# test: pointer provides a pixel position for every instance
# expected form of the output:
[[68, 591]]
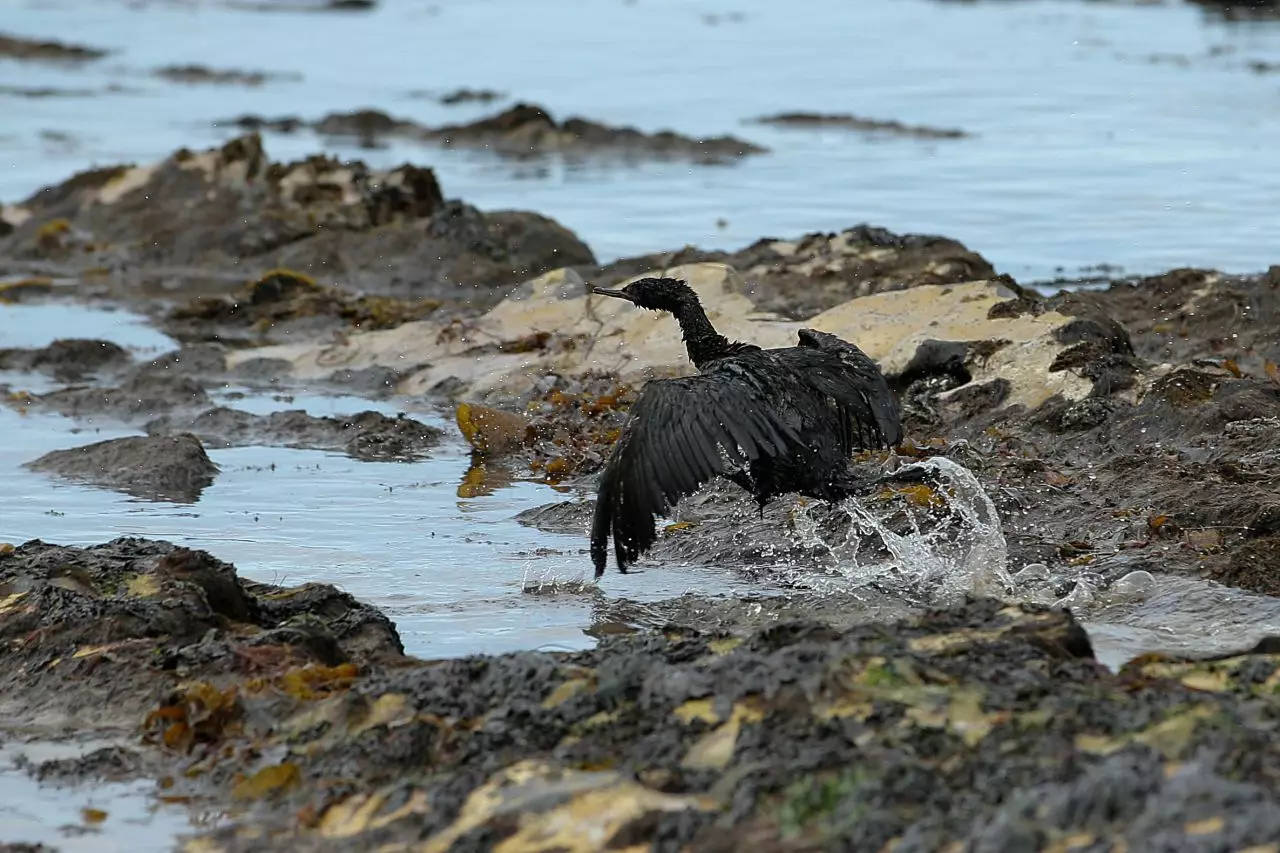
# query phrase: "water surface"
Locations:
[[1131, 135]]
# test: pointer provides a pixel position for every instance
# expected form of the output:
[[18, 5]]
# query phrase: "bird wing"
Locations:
[[683, 433], [855, 387]]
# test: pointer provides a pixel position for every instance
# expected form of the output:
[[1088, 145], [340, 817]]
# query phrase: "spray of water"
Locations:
[[942, 546]]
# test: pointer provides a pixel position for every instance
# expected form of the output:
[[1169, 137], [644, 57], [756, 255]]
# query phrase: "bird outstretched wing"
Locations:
[[683, 433], [856, 388]]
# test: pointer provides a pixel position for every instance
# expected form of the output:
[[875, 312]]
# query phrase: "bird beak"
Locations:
[[606, 292]]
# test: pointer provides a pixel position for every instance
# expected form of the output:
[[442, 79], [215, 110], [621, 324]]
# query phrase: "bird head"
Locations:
[[656, 294]]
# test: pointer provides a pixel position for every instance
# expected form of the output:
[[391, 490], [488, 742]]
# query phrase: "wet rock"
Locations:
[[283, 304], [194, 361], [284, 124], [1240, 10], [370, 127], [845, 121], [978, 724], [67, 359], [201, 74], [492, 431], [803, 277], [211, 214], [34, 50], [550, 327], [31, 289], [108, 764], [37, 92], [97, 636], [373, 382], [470, 96], [144, 395], [522, 131], [526, 129], [1189, 314], [369, 436], [174, 468]]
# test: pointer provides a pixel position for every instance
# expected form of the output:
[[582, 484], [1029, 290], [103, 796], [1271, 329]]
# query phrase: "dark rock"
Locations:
[[16, 47], [470, 96], [220, 211], [197, 360], [67, 359], [369, 436], [846, 121], [283, 303], [526, 130], [172, 468], [563, 517], [105, 632], [1240, 10], [197, 74], [108, 764], [146, 394], [986, 723], [1189, 314], [373, 382], [521, 132], [803, 277]]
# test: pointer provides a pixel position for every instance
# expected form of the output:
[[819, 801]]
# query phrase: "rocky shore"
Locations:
[[1116, 434]]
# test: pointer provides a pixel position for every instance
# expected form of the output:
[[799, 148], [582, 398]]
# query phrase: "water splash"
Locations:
[[943, 543]]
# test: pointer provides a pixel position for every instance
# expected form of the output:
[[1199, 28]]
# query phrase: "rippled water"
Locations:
[[449, 570], [102, 818], [1132, 135]]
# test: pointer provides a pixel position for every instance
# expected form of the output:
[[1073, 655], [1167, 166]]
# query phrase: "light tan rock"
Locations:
[[501, 352]]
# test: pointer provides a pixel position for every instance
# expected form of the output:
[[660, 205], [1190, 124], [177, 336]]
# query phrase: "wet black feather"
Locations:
[[775, 421]]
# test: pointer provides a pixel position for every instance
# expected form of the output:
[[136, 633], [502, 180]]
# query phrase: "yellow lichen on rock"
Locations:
[[590, 808], [714, 750], [612, 336]]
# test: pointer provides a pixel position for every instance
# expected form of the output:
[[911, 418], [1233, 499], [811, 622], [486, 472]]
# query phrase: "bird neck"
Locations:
[[701, 339]]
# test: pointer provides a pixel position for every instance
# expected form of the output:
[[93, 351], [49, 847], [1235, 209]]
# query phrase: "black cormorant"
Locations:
[[773, 421]]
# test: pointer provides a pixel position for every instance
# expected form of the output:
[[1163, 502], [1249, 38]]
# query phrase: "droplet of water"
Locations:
[[1032, 574], [1135, 585]]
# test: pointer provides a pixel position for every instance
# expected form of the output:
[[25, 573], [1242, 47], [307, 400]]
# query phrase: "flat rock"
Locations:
[[847, 121], [198, 221], [369, 436], [35, 50], [146, 394], [173, 468], [550, 326], [521, 131], [202, 74]]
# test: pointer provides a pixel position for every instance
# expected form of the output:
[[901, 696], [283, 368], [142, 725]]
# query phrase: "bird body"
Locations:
[[773, 421]]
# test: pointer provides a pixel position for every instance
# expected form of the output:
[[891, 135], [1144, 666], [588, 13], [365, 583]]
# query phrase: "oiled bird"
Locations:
[[773, 421]]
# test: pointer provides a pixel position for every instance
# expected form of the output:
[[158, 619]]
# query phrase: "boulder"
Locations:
[[172, 468]]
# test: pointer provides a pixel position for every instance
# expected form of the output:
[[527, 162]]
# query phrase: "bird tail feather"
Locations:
[[601, 521]]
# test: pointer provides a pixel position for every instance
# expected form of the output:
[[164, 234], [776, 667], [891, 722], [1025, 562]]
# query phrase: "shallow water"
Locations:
[[449, 570], [1092, 142], [1085, 151], [131, 820]]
